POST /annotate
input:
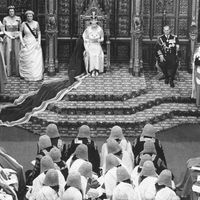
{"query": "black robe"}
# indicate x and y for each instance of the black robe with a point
(76, 63)
(49, 90)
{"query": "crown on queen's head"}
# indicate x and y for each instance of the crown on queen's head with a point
(94, 16)
(11, 7)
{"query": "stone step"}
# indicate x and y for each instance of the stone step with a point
(109, 86)
(68, 124)
(71, 131)
(128, 107)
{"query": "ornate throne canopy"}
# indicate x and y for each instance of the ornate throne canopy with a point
(94, 12)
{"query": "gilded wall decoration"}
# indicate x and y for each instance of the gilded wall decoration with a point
(146, 7)
(183, 28)
(123, 26)
(64, 18)
(123, 18)
(3, 6)
(64, 7)
(41, 6)
(157, 27)
(183, 8)
(123, 52)
(159, 5)
(170, 6)
(146, 26)
(63, 51)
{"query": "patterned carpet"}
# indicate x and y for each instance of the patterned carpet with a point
(114, 97)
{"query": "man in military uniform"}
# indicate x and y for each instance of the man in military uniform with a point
(167, 50)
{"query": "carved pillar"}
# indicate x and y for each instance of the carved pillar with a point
(108, 11)
(51, 29)
(79, 7)
(136, 37)
(193, 30)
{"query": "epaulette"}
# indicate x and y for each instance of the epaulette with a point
(174, 35)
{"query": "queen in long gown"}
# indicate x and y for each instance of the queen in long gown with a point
(12, 46)
(94, 56)
(3, 75)
(31, 65)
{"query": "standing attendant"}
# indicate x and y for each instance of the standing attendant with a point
(3, 75)
(196, 77)
(12, 47)
(167, 49)
(30, 57)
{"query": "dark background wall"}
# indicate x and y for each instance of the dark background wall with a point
(155, 13)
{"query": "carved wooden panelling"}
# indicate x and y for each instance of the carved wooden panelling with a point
(112, 7)
(158, 6)
(64, 7)
(146, 27)
(123, 26)
(123, 7)
(120, 15)
(112, 50)
(183, 28)
(41, 6)
(183, 8)
(3, 6)
(157, 27)
(123, 51)
(184, 54)
(41, 21)
(146, 7)
(63, 26)
(171, 23)
(75, 25)
(120, 51)
(170, 6)
(123, 18)
(17, 4)
(64, 18)
(112, 17)
(29, 5)
(112, 25)
(63, 51)
(148, 54)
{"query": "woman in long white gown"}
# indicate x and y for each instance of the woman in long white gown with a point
(3, 75)
(196, 77)
(12, 25)
(94, 56)
(31, 65)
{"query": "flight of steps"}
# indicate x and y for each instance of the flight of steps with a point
(116, 97)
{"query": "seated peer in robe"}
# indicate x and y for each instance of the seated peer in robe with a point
(93, 55)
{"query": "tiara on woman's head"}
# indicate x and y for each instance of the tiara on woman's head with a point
(11, 7)
(29, 12)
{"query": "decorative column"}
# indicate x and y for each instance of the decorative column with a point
(107, 29)
(193, 31)
(136, 38)
(51, 60)
(79, 7)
